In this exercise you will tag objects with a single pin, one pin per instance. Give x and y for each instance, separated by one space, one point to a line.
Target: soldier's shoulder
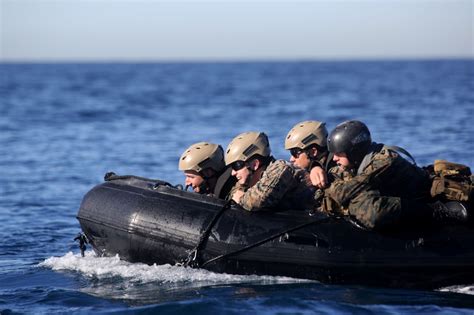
279 165
278 169
381 158
386 153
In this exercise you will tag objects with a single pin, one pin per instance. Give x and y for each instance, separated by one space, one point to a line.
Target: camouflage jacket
281 186
373 193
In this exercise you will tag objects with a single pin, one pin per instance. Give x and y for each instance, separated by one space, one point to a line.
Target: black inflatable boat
149 221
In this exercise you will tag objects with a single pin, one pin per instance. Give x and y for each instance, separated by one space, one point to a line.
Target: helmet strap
314 159
204 188
250 177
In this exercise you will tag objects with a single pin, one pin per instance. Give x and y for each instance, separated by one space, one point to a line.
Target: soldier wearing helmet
350 143
375 185
307 143
204 169
262 181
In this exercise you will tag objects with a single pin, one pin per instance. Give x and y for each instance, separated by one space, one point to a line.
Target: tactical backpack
451 181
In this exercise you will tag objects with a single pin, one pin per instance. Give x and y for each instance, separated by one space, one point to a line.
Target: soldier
262 181
375 185
307 143
205 171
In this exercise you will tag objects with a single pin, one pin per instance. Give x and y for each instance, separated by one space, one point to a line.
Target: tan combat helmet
246 145
202 155
306 133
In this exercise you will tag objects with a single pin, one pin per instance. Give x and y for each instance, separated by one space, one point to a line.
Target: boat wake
103 268
140 283
459 289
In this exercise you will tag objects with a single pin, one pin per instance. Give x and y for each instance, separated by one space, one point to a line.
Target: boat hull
143 222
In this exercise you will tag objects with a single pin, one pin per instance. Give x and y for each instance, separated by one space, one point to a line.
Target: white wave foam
109 267
459 289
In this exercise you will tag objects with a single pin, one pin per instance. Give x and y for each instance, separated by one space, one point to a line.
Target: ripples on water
62 126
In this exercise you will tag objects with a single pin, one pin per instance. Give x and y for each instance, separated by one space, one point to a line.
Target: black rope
193 259
82 239
266 240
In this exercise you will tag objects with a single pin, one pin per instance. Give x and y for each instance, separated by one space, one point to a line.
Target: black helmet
352 137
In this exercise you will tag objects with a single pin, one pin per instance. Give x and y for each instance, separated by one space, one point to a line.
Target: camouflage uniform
377 194
281 186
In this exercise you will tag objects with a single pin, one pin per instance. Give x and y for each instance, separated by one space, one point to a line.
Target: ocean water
63 126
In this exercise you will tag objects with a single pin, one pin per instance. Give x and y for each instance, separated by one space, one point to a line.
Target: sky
155 30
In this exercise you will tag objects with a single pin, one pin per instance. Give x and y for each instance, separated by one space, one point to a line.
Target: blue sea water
63 126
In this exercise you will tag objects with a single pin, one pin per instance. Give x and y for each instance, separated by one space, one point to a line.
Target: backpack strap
328 161
401 150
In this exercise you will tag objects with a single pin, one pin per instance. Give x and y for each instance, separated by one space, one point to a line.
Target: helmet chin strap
315 159
250 177
253 172
204 188
321 154
354 164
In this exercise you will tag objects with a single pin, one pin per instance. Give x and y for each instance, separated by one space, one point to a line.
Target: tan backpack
451 181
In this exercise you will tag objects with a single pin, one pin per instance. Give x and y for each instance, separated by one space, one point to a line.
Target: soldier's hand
237 195
318 177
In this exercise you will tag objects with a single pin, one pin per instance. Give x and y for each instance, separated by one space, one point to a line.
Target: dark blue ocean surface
63 126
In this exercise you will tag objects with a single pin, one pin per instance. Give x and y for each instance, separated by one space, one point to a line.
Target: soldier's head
349 142
307 141
247 153
201 163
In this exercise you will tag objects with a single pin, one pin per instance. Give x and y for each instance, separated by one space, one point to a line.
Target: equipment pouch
451 181
446 168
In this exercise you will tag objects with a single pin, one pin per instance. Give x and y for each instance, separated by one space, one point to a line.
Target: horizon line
226 60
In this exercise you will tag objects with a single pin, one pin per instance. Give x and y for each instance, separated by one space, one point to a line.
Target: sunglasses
238 165
295 152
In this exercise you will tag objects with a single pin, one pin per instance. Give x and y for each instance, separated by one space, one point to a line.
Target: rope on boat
82 239
193 260
268 239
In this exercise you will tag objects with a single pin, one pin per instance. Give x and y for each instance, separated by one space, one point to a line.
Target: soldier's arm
374 211
270 189
342 191
234 189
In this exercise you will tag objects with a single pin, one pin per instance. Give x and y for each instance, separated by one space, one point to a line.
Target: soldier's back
282 187
401 178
